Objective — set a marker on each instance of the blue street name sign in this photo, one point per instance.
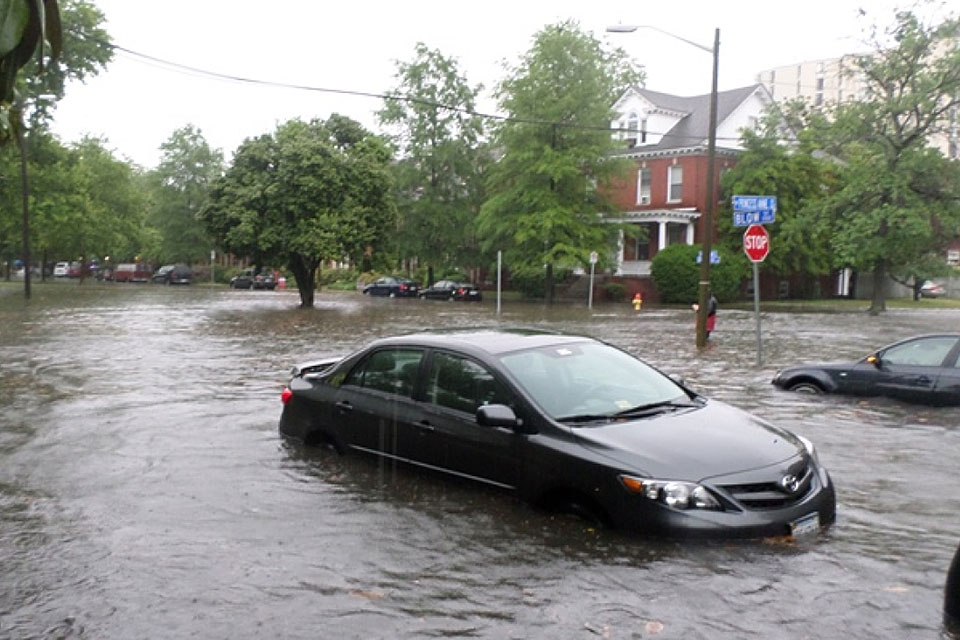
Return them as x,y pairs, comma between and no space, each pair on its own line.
749,210
714,257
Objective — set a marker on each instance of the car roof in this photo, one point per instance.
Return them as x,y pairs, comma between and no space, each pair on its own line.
486,341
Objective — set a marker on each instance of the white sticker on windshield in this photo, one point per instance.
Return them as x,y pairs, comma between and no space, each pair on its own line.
564,352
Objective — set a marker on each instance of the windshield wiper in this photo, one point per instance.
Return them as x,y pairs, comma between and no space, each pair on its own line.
586,417
655,407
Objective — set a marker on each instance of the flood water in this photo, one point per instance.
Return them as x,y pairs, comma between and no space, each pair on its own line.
146,493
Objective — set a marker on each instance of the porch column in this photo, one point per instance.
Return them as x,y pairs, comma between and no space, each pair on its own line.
661,235
619,269
690,228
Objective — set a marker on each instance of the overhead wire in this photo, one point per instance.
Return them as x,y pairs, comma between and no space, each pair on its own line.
177,67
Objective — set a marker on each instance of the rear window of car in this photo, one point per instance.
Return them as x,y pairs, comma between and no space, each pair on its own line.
389,370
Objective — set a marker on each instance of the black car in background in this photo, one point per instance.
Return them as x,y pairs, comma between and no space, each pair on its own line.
243,280
922,369
173,274
567,422
452,290
265,280
393,287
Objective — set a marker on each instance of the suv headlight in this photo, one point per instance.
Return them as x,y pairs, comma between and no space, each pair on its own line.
672,493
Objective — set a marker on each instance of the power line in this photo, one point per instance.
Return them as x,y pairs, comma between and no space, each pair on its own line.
215,75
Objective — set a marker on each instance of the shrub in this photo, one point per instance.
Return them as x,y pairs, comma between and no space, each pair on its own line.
614,291
531,281
677,275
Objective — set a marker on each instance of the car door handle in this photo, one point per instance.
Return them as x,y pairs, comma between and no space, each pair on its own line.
344,406
425,426
924,380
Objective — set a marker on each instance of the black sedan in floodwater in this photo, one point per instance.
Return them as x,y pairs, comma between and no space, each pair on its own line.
393,287
922,369
566,422
452,290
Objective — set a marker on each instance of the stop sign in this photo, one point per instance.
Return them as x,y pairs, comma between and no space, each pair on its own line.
756,242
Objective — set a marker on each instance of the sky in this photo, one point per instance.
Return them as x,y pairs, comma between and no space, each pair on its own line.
135,104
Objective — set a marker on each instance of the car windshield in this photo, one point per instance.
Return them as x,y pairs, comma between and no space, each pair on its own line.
588,381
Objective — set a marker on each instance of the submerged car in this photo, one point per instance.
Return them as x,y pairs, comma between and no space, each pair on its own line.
393,287
922,369
566,422
452,290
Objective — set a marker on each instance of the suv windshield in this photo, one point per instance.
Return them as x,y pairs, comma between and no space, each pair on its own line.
589,379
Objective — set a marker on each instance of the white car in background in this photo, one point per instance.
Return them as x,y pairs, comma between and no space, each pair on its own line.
61,270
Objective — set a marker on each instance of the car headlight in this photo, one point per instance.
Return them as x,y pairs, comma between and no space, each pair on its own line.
672,493
812,452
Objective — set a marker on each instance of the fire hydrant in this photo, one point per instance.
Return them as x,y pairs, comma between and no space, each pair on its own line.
637,301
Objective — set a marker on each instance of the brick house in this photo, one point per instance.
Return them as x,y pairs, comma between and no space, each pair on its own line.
664,199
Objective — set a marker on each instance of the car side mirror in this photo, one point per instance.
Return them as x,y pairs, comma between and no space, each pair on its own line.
497,415
874,359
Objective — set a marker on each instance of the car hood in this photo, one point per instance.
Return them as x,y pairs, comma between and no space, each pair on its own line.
692,444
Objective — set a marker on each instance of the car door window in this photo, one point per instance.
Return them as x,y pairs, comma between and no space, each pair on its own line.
462,384
389,370
926,352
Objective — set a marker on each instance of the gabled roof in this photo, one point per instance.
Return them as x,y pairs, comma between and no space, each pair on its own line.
693,129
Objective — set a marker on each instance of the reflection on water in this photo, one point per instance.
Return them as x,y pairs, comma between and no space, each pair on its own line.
145,492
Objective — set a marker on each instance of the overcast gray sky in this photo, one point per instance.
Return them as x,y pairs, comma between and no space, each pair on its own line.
353,45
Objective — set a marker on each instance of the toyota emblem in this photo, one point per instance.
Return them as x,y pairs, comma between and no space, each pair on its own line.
790,483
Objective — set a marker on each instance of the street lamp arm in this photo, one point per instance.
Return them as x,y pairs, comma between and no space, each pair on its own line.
630,28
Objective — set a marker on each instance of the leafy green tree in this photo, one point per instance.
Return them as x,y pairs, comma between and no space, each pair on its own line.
899,198
545,194
438,178
766,167
187,169
312,191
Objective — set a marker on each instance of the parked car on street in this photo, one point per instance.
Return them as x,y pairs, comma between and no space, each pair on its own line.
393,286
243,280
931,289
566,422
922,369
132,272
173,274
265,280
61,269
452,290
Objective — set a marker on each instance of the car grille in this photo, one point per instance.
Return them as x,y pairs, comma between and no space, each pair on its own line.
771,495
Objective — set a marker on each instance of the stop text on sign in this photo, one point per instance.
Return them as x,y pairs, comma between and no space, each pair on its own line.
756,243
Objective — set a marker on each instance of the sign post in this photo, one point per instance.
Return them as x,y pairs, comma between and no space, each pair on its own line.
593,264
756,244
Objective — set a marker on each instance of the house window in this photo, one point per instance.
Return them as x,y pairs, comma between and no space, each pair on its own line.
675,183
643,131
676,233
643,186
632,130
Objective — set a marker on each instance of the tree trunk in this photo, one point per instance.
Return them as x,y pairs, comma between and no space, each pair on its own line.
430,275
548,284
304,273
878,304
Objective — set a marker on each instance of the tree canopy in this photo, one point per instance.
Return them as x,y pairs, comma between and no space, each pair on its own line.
899,198
438,178
311,191
179,186
546,191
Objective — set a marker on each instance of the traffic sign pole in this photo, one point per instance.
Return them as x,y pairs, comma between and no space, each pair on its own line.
756,244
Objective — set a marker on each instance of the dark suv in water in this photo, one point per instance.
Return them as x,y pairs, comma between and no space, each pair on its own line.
568,422
173,274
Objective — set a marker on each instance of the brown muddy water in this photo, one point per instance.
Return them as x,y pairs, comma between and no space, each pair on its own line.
146,493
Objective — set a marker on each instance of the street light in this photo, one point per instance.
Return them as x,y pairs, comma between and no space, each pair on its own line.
708,215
